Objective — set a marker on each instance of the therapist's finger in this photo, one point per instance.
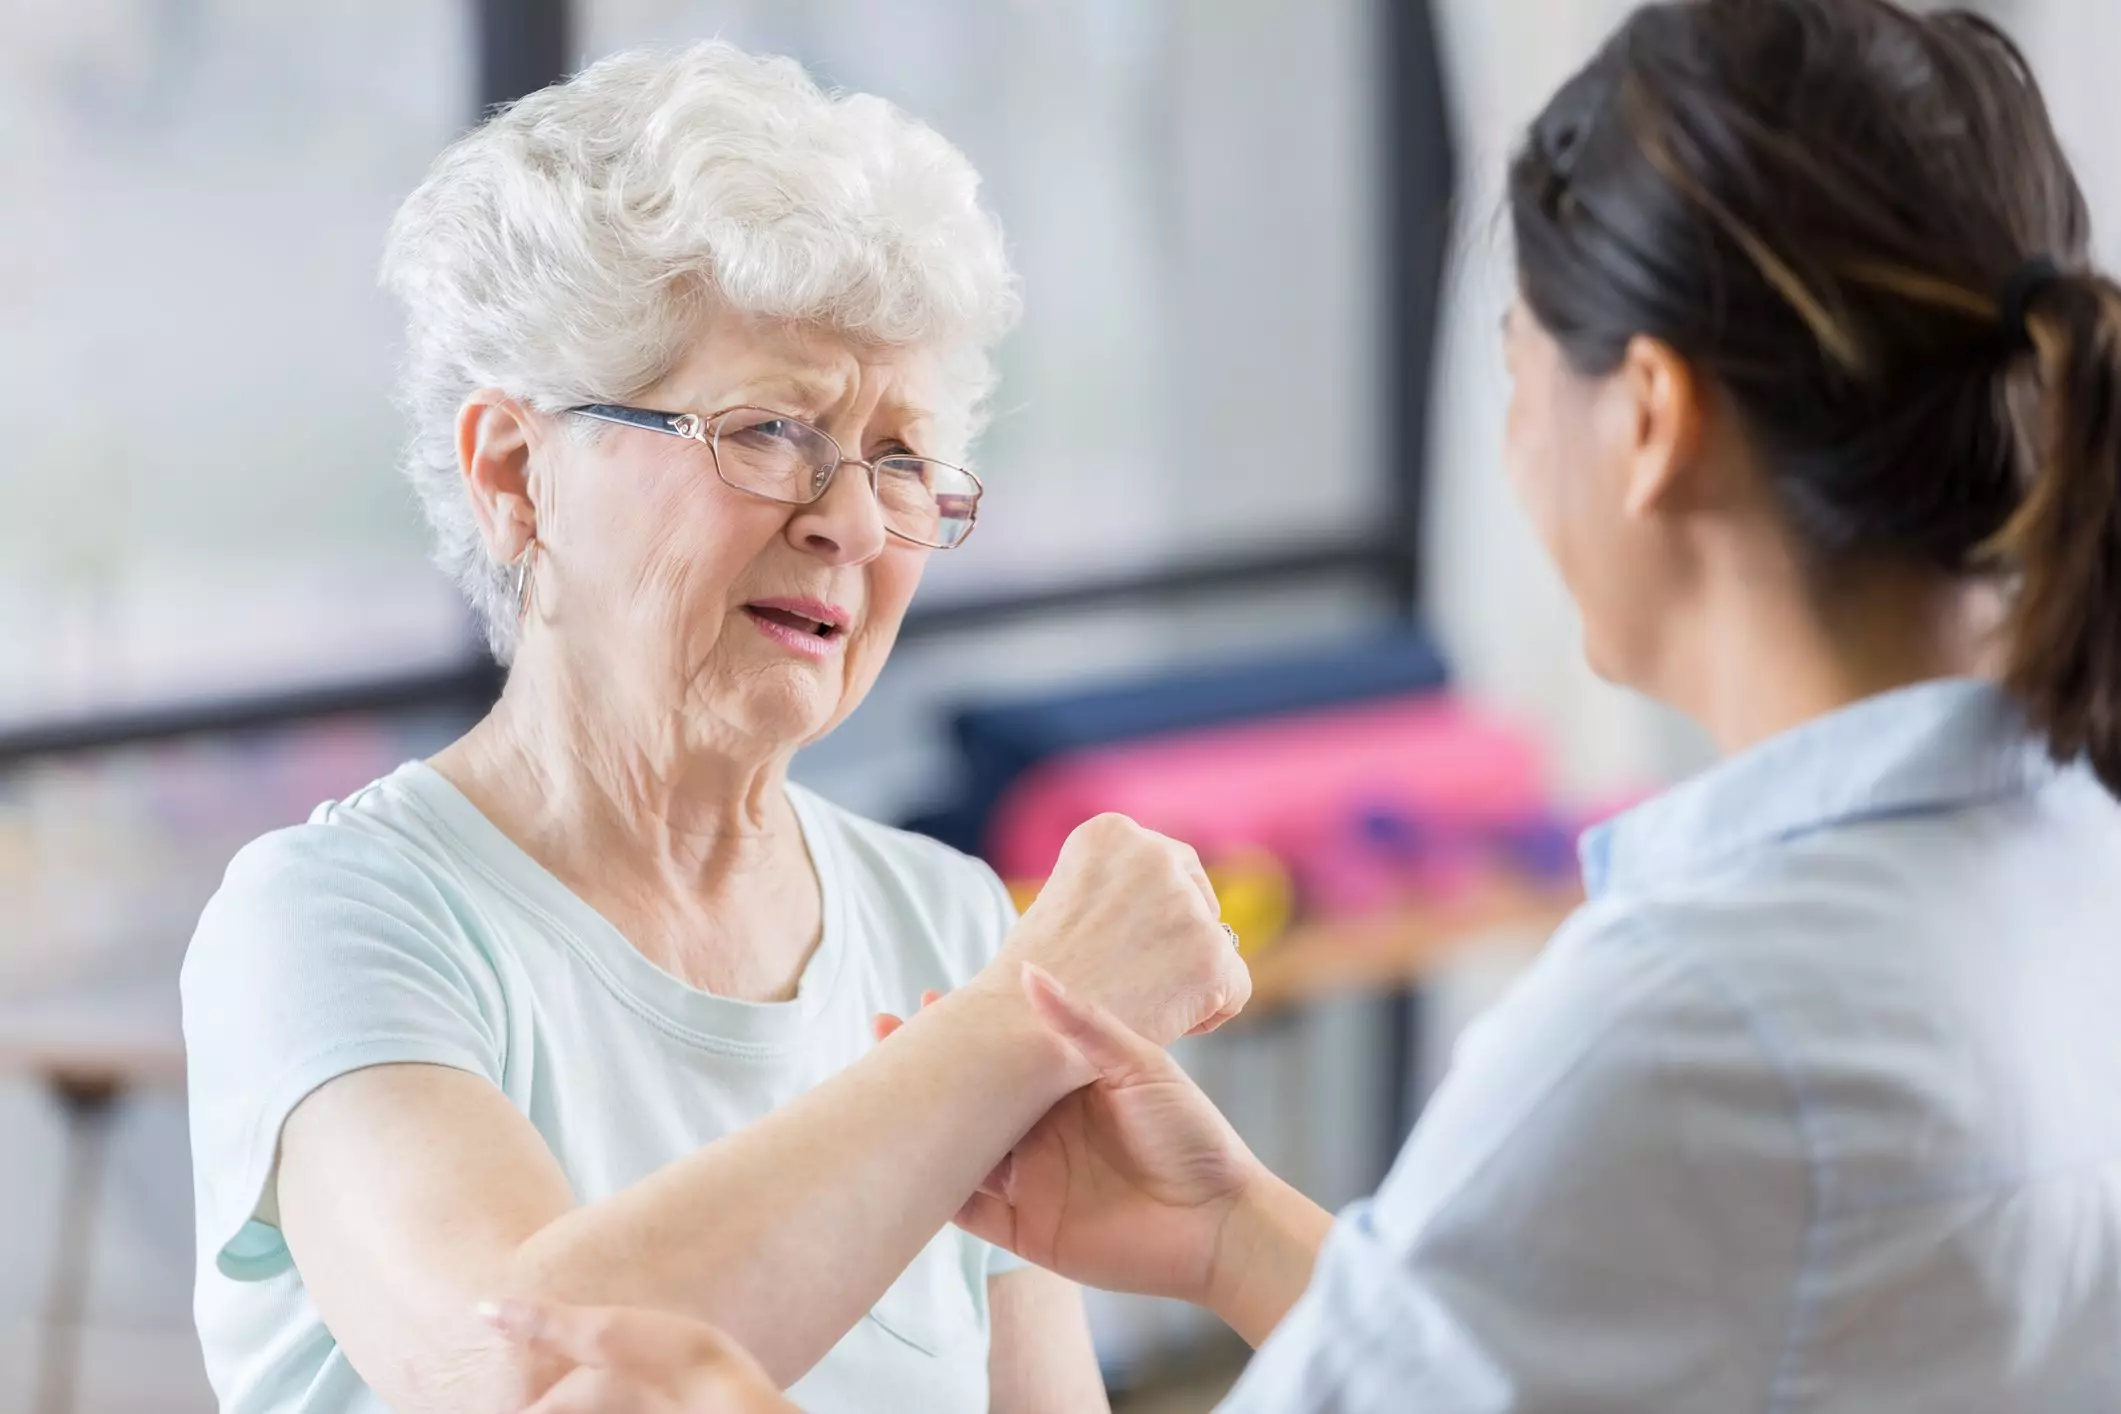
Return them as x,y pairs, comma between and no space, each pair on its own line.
1001,1181
990,1220
535,1327
627,1360
613,1337
582,1335
1116,1052
588,1390
886,1022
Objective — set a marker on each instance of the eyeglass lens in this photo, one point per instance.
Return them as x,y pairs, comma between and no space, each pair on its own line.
767,454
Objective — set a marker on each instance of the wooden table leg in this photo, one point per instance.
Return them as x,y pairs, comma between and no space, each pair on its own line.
88,1103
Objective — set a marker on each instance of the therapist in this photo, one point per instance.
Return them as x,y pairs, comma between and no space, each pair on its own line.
1816,1105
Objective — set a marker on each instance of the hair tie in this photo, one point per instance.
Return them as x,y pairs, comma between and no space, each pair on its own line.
2026,284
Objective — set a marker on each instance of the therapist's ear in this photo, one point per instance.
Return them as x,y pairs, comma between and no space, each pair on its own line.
1661,403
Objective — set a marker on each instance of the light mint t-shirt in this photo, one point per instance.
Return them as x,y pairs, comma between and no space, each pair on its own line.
400,925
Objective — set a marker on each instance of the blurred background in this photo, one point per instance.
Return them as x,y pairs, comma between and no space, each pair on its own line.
1245,511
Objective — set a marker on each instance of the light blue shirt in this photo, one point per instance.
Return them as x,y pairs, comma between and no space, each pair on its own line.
401,925
1816,1105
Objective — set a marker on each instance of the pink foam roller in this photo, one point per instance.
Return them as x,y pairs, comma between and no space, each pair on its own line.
1285,784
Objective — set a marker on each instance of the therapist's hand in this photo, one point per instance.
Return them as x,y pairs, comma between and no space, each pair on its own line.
622,1361
1128,921
1137,1183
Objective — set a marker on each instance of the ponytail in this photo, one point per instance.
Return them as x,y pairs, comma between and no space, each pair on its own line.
2064,541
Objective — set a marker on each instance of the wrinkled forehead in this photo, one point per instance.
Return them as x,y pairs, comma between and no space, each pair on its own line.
821,374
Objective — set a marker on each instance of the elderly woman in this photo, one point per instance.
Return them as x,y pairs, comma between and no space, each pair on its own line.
580,1009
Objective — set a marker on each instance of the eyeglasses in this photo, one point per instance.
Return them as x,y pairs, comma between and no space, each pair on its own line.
779,458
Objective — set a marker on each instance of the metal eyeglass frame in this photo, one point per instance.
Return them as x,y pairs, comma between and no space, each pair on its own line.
695,428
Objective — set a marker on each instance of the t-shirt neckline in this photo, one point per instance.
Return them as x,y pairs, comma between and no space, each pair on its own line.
690,1014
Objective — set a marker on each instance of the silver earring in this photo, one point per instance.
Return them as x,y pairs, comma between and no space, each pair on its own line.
522,580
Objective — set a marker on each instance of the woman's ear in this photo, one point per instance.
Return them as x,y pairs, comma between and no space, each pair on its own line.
1662,400
493,451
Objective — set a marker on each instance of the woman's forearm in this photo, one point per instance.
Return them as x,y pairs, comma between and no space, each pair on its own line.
784,1233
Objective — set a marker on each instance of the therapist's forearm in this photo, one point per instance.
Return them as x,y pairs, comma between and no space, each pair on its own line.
784,1233
1264,1257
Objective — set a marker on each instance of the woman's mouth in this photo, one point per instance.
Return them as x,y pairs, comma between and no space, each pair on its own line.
813,629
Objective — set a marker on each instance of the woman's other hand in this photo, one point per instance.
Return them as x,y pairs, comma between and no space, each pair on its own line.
1138,1183
1128,920
622,1361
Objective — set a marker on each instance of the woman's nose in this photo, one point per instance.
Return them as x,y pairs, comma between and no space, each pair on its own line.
845,526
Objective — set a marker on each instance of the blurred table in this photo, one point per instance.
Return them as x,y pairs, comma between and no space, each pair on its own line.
1390,952
1389,956
90,1045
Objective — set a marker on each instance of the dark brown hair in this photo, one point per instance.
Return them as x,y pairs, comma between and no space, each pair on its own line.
1826,206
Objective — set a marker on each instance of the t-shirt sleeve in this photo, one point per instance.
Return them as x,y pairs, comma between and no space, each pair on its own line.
325,951
1605,1207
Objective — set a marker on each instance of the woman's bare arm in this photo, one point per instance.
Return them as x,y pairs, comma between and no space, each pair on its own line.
1040,1360
409,1193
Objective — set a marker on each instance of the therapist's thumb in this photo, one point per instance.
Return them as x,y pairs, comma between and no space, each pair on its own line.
1114,1050
888,1022
635,1342
583,1336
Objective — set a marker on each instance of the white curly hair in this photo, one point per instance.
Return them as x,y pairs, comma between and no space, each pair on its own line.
567,249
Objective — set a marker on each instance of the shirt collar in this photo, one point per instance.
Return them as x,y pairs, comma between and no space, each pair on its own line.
1918,749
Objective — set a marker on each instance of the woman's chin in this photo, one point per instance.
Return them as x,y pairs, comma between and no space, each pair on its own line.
775,709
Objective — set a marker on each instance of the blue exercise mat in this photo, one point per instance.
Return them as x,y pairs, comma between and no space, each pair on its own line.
999,741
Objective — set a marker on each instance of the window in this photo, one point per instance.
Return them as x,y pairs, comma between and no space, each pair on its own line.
198,494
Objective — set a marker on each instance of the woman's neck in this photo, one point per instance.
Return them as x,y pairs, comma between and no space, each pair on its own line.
1772,648
677,842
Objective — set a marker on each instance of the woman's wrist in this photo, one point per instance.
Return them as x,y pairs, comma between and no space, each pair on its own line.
1002,1028
1265,1252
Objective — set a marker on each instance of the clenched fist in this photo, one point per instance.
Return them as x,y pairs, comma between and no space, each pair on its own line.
1129,921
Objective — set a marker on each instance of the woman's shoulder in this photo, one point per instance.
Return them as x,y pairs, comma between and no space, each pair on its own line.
1824,968
1768,946
358,878
371,838
1853,927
